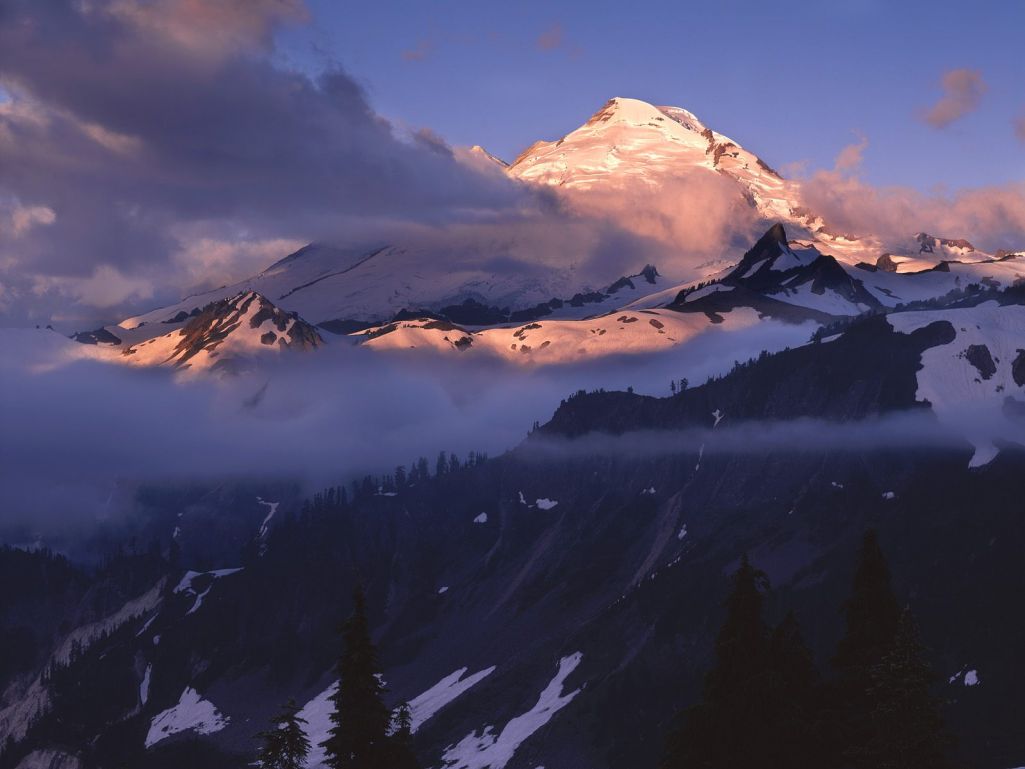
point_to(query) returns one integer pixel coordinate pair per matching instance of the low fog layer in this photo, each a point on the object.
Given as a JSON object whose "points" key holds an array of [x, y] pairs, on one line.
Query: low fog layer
{"points": [[74, 431], [902, 430], [75, 434]]}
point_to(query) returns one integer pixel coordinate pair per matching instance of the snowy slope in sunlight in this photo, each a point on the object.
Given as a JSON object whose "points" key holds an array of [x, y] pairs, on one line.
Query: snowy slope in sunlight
{"points": [[323, 283], [797, 273], [547, 342], [482, 279], [223, 336], [632, 140]]}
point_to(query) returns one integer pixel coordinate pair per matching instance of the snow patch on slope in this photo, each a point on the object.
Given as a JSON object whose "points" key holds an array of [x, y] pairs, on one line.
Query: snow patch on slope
{"points": [[960, 394], [425, 705], [488, 750], [185, 586], [317, 713], [192, 713], [272, 508], [144, 686]]}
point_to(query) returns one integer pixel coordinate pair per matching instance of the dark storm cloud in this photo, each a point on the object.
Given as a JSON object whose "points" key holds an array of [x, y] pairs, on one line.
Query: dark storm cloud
{"points": [[128, 120]]}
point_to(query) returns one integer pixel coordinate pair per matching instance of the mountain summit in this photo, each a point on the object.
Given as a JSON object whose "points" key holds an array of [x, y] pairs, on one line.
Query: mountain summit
{"points": [[225, 335], [632, 139]]}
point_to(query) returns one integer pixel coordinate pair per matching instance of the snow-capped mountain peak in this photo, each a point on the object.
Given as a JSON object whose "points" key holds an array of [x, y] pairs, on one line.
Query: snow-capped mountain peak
{"points": [[631, 140], [224, 334], [478, 151]]}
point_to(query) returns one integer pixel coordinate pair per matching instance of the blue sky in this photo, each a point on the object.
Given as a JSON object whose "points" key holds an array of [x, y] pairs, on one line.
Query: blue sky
{"points": [[792, 81]]}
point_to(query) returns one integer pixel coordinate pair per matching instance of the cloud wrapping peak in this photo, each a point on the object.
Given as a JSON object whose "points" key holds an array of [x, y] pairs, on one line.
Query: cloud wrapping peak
{"points": [[962, 93], [992, 218]]}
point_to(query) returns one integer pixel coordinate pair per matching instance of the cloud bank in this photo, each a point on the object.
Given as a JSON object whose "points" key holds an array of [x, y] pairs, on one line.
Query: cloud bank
{"points": [[136, 133], [992, 218]]}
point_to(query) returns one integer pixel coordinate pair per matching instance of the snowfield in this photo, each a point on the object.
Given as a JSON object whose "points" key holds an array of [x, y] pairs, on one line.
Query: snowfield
{"points": [[548, 342], [317, 711], [424, 706], [970, 398], [192, 713], [632, 141], [487, 750]]}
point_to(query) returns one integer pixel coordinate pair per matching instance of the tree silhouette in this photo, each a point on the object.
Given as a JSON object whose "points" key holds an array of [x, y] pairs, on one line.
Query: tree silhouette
{"points": [[872, 612], [872, 615], [908, 731], [358, 738], [403, 756], [726, 729], [286, 746]]}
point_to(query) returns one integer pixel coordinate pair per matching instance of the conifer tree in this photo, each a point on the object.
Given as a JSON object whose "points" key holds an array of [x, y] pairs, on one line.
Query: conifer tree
{"points": [[793, 695], [872, 612], [727, 729], [790, 657], [907, 729], [358, 738], [403, 755], [286, 746], [872, 615]]}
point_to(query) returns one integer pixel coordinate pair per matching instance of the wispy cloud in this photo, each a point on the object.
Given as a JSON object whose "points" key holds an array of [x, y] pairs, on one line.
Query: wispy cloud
{"points": [[849, 158], [962, 93], [1019, 127], [551, 38], [423, 50]]}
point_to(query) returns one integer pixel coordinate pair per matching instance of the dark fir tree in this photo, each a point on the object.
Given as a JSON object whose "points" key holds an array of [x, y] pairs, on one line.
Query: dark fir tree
{"points": [[907, 729], [358, 738], [872, 615], [286, 746], [792, 660], [872, 612], [403, 755], [727, 729], [793, 691]]}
